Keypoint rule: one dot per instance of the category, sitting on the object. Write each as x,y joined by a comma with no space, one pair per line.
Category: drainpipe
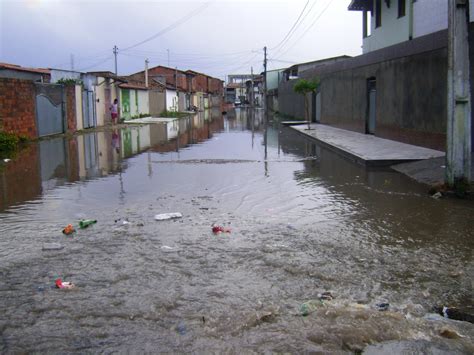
410,19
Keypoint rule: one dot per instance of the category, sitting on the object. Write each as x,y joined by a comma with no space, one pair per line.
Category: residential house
14,71
134,100
254,91
397,89
174,81
236,87
101,87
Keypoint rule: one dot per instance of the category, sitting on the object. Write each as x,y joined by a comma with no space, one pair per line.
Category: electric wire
292,27
307,29
96,64
284,42
170,27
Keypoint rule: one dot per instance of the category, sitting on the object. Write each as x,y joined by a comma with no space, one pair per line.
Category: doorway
371,103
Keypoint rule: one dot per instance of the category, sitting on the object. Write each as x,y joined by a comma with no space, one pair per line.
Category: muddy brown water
303,221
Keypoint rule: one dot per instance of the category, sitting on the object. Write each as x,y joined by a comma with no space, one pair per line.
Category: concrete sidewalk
366,149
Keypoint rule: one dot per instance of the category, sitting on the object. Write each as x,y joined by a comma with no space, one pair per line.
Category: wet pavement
303,221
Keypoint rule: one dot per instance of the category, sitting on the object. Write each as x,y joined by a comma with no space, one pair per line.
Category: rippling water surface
303,221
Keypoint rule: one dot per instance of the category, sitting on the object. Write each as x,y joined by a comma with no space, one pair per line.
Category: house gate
49,109
88,109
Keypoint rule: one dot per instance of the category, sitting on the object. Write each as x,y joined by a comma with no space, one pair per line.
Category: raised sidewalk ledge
366,149
151,120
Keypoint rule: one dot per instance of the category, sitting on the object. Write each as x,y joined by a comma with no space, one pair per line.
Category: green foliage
140,115
304,86
166,113
8,142
70,81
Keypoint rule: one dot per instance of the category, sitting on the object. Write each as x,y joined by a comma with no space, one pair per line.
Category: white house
388,22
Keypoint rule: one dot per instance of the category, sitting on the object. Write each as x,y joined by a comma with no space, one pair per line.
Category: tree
305,87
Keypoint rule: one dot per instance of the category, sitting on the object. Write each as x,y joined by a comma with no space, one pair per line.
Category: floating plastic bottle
309,307
86,223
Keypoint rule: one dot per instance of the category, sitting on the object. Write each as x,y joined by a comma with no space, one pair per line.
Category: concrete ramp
366,149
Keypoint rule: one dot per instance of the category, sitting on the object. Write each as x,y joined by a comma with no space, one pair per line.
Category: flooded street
303,221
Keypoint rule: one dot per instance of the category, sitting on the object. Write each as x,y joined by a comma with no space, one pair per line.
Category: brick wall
70,91
17,107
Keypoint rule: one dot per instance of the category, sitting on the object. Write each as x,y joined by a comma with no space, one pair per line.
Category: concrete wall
182,101
410,102
157,102
289,102
100,105
171,100
143,101
58,74
79,116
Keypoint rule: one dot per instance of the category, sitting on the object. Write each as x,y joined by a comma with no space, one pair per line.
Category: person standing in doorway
114,111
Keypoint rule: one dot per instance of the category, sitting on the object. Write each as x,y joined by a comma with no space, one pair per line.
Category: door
49,109
371,99
88,109
318,107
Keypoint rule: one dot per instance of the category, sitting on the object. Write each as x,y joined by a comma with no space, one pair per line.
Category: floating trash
69,229
84,223
52,246
64,284
382,306
166,216
220,229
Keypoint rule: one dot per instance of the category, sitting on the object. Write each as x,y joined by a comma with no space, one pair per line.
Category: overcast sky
217,37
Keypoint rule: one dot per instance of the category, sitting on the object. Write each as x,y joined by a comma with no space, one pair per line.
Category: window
378,13
401,8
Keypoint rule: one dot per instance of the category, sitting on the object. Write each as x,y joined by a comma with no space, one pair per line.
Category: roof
189,71
108,74
24,69
319,61
235,85
360,5
133,86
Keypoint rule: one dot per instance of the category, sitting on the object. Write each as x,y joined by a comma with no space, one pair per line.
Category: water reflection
55,162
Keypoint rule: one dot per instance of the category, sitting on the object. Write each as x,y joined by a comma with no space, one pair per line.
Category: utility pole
252,99
115,54
72,62
458,136
146,72
176,87
168,51
265,82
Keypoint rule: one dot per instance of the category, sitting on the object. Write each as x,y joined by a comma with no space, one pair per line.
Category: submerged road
323,254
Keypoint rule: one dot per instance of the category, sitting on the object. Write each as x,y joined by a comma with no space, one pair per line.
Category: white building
388,22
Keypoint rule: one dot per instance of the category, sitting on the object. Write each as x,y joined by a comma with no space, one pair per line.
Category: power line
292,27
284,42
172,26
96,64
307,29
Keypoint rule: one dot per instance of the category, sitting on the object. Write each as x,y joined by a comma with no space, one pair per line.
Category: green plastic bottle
86,223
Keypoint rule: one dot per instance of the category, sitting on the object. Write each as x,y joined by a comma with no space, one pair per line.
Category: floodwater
303,221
